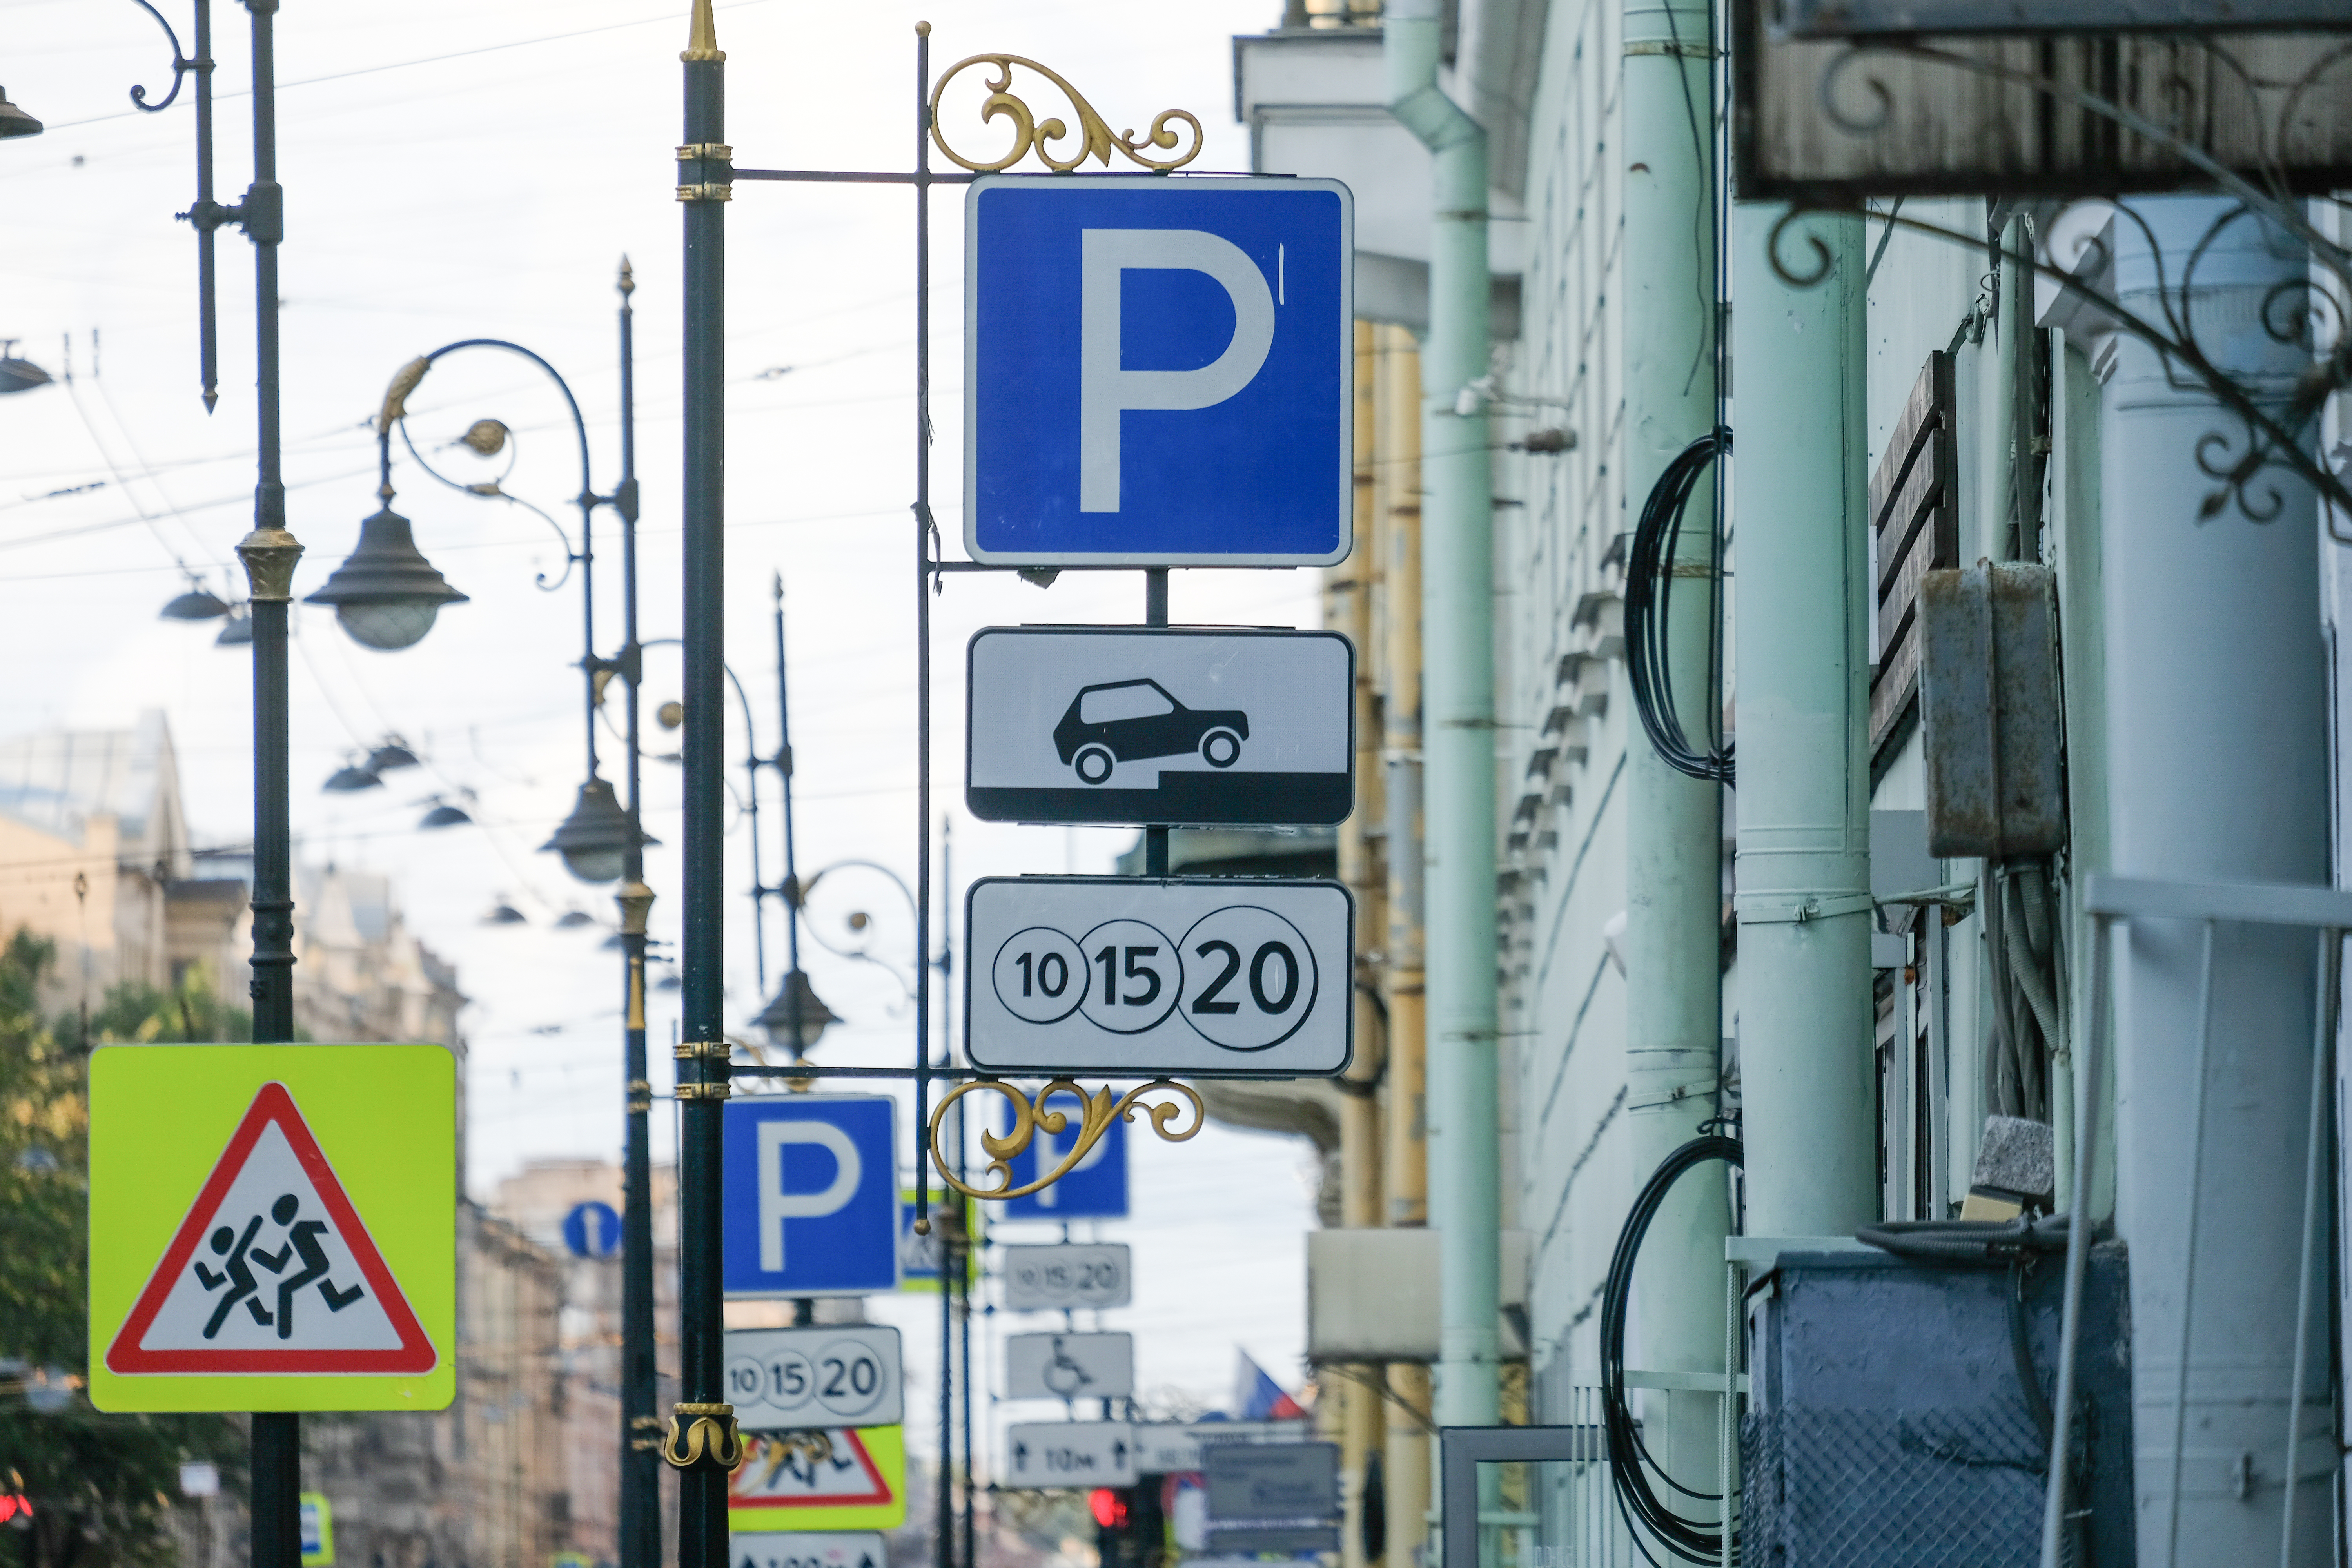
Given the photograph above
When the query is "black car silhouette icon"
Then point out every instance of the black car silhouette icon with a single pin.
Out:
(1133, 720)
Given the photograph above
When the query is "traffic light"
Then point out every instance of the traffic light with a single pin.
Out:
(1130, 1531)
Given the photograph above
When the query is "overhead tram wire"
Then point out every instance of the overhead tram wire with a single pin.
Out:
(666, 18)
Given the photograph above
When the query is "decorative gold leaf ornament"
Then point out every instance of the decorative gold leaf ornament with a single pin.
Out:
(1095, 1114)
(1031, 134)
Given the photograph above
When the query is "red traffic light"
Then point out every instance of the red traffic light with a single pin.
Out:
(22, 1506)
(1109, 1508)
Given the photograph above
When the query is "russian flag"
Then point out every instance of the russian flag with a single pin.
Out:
(1258, 1397)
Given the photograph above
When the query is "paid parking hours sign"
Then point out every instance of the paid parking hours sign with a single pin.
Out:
(272, 1227)
(1158, 372)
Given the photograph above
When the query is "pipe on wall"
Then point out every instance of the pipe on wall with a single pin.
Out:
(2218, 754)
(1806, 1039)
(1458, 736)
(1674, 823)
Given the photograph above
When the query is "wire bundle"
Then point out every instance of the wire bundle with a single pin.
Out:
(1650, 571)
(1692, 1539)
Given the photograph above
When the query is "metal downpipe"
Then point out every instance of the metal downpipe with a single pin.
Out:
(1674, 823)
(1804, 866)
(2218, 744)
(1458, 696)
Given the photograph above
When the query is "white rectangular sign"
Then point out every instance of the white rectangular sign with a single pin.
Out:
(1121, 724)
(807, 1549)
(1076, 1274)
(1069, 1366)
(1048, 1454)
(793, 1380)
(1168, 1448)
(1211, 977)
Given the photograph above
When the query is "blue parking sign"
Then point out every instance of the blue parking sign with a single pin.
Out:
(811, 1196)
(1158, 372)
(1095, 1189)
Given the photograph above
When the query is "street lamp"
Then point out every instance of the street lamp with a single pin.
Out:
(14, 122)
(197, 603)
(594, 839)
(603, 839)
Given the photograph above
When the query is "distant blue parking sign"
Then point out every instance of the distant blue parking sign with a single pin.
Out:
(1096, 1187)
(811, 1196)
(1158, 372)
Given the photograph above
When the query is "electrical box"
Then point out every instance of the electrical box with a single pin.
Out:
(1990, 712)
(1889, 1424)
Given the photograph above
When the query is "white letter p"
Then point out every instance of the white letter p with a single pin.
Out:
(1104, 391)
(777, 1206)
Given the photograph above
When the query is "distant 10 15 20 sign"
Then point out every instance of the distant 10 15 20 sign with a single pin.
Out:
(1224, 978)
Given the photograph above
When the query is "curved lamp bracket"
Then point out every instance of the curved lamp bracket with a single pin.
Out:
(180, 64)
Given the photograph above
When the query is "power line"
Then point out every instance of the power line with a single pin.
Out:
(669, 16)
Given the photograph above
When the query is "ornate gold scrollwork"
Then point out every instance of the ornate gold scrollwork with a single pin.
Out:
(699, 1431)
(1096, 1111)
(1031, 134)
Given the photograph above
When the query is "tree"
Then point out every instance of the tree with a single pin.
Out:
(101, 1485)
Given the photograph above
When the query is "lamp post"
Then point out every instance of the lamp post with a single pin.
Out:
(387, 595)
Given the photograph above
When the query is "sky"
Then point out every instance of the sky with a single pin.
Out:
(455, 171)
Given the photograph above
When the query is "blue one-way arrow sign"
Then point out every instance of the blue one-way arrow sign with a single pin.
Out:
(1158, 372)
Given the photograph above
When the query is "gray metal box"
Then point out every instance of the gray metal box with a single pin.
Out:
(1989, 708)
(1889, 1427)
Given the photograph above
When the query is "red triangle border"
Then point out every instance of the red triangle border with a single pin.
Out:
(416, 1355)
(881, 1494)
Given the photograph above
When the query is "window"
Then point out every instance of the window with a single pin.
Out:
(1133, 700)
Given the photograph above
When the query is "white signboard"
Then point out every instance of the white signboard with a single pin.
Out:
(1217, 977)
(1169, 1447)
(1069, 1366)
(807, 1549)
(1058, 1278)
(793, 1380)
(1116, 724)
(1048, 1454)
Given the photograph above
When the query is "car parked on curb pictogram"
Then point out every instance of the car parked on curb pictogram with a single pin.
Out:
(1135, 720)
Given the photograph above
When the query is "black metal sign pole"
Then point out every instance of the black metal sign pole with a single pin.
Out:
(926, 535)
(270, 552)
(640, 1426)
(702, 1441)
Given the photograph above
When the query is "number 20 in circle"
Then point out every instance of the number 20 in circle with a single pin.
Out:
(1249, 978)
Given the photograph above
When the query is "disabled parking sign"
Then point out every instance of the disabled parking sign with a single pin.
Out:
(272, 1227)
(1158, 372)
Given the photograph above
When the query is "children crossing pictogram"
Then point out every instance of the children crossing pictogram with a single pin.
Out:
(272, 1271)
(808, 1469)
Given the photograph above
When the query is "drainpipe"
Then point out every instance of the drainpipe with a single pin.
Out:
(1458, 741)
(1805, 1012)
(2218, 751)
(1674, 823)
(1405, 1172)
(1347, 607)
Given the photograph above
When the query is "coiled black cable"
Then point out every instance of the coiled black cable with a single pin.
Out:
(1692, 1539)
(1649, 592)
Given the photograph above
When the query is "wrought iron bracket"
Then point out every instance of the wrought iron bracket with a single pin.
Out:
(180, 64)
(1029, 1117)
(1031, 134)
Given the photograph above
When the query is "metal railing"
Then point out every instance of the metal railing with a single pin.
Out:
(1560, 1510)
(2107, 899)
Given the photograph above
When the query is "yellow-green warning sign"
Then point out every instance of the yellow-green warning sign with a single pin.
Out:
(272, 1227)
(839, 1477)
